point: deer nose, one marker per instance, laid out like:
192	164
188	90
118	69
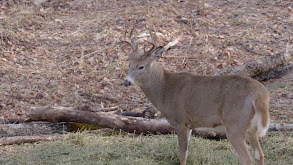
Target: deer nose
127	83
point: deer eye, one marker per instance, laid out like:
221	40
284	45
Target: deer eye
141	67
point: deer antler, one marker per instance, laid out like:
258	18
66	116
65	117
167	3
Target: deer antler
133	41
153	43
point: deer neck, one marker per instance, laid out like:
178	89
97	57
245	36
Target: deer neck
153	88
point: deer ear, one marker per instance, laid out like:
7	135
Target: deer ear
157	53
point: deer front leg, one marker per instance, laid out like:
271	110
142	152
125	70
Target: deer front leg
183	133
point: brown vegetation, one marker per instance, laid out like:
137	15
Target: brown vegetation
67	53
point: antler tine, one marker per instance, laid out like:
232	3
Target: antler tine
153	37
133	40
153	42
134	43
124	39
131	32
144	52
153	46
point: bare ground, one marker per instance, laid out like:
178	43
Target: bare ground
66	53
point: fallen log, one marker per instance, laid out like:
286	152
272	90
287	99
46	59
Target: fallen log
103	119
280	127
128	124
277	73
32	129
207	135
27	139
150	113
210	134
259	67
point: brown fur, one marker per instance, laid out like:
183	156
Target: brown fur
189	101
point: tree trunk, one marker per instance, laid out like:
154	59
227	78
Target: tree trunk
259	67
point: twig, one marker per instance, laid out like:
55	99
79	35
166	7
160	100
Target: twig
27	139
251	50
106	97
10	96
132	114
44	86
104	109
174	57
12	121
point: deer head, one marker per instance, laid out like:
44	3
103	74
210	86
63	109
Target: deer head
141	61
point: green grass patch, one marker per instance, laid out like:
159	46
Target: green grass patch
89	149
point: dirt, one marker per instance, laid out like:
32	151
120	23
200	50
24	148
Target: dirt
69	52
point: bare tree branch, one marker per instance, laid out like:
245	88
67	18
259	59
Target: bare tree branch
27	139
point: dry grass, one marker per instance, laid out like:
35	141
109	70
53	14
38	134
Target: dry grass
86	149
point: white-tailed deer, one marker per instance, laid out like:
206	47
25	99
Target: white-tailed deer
238	104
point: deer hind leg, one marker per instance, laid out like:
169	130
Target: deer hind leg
254	142
183	133
238	141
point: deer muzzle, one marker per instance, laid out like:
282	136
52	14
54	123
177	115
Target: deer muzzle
126	83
